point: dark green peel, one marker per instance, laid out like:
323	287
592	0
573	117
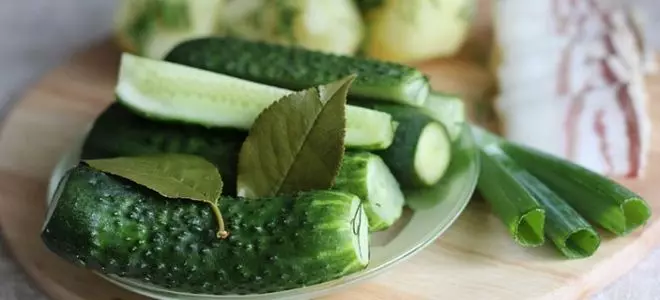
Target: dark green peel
111	225
296	68
421	151
119	132
172	175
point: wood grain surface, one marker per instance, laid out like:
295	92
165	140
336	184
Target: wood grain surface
474	259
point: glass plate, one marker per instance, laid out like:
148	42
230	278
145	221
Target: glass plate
433	211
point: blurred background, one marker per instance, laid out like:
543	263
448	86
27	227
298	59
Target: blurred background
37	35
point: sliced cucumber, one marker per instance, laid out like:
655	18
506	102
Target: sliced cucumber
421	151
366	176
168	91
368	129
448	110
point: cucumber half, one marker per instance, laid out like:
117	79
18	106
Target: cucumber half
168	91
366	175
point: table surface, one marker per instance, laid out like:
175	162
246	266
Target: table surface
36	35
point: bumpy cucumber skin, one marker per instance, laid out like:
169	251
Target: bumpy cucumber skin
352	178
116	227
400	156
120	132
297	68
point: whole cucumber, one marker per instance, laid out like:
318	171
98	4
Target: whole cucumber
297	68
114	226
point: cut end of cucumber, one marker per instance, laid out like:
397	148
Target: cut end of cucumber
529	229
418	90
448	110
52	203
636	213
580	244
360	226
433	154
385	203
369	129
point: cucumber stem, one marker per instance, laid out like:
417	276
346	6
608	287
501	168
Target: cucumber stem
222	233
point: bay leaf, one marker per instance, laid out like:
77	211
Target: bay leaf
296	144
179	176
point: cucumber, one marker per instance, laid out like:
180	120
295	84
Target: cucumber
366	176
421	151
448	110
119	132
113	226
168	91
298	68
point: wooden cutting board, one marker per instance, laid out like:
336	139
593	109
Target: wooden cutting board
474	259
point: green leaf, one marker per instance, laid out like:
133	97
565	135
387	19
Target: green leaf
296	144
179	176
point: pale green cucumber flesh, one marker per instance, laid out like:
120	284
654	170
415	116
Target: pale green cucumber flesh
421	151
384	196
433	154
360	241
448	110
175	92
167	91
365	175
368	129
